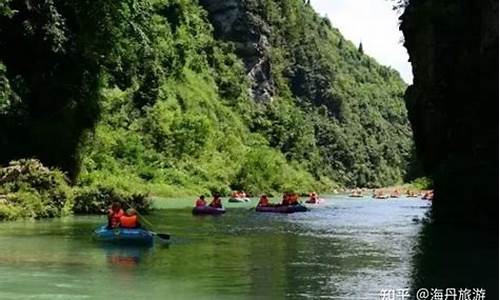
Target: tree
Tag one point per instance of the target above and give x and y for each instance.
(340, 44)
(360, 48)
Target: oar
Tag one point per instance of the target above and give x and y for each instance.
(162, 236)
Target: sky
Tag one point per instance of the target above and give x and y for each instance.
(375, 24)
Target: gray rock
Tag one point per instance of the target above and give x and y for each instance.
(237, 22)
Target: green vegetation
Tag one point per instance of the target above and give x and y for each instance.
(98, 199)
(139, 97)
(338, 111)
(422, 183)
(30, 190)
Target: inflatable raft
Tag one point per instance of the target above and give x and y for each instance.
(208, 210)
(132, 236)
(282, 209)
(318, 201)
(356, 195)
(238, 200)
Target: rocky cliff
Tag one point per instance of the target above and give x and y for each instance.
(238, 22)
(453, 103)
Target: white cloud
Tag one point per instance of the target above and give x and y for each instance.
(375, 24)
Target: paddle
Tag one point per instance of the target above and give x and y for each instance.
(162, 236)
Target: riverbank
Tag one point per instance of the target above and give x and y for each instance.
(29, 190)
(417, 187)
(403, 189)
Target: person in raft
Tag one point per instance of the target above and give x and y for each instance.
(294, 199)
(264, 201)
(130, 219)
(201, 202)
(285, 201)
(313, 197)
(114, 214)
(216, 202)
(289, 199)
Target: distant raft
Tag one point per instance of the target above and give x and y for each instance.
(238, 200)
(281, 209)
(356, 195)
(317, 201)
(132, 236)
(208, 210)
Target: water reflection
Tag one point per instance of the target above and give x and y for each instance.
(123, 256)
(456, 257)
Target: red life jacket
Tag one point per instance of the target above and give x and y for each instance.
(128, 221)
(200, 203)
(114, 219)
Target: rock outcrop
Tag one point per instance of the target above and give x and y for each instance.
(238, 22)
(453, 103)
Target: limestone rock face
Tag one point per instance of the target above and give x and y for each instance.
(238, 22)
(453, 103)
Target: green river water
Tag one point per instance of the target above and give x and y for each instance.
(344, 249)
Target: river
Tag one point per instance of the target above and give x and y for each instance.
(345, 249)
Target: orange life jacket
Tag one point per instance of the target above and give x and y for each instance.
(128, 221)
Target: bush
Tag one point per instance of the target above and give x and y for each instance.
(31, 190)
(422, 183)
(97, 199)
(9, 212)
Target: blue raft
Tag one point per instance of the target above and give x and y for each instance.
(282, 209)
(129, 236)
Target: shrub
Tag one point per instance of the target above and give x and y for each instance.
(9, 212)
(422, 183)
(31, 190)
(97, 199)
